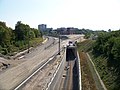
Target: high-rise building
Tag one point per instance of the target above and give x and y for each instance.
(42, 27)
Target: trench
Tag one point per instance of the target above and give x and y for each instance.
(72, 79)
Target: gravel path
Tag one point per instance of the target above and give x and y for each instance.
(42, 78)
(13, 76)
(10, 78)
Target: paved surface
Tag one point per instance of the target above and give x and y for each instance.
(42, 78)
(13, 76)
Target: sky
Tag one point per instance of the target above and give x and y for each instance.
(88, 14)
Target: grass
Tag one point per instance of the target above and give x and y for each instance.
(106, 73)
(36, 41)
(20, 46)
(88, 82)
(85, 45)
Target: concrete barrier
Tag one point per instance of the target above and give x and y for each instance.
(79, 71)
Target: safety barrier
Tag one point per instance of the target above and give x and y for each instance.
(79, 71)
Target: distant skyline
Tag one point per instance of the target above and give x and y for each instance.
(89, 14)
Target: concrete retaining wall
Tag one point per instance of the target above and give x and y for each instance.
(79, 71)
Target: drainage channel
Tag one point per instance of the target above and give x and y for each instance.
(70, 79)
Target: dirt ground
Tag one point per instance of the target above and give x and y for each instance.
(6, 64)
(87, 79)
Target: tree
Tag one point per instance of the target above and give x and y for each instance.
(5, 36)
(116, 49)
(36, 32)
(18, 39)
(21, 31)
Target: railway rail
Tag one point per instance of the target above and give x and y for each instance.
(41, 76)
(70, 79)
(69, 82)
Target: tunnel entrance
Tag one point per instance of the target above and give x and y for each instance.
(70, 54)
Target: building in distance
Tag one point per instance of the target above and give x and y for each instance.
(42, 27)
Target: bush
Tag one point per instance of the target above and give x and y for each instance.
(4, 51)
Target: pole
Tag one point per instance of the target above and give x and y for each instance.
(28, 41)
(59, 46)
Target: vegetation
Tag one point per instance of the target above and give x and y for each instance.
(16, 40)
(105, 72)
(85, 45)
(106, 51)
(93, 34)
(88, 82)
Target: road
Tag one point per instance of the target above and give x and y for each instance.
(43, 77)
(39, 49)
(12, 77)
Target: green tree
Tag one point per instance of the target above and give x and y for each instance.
(116, 49)
(5, 36)
(21, 31)
(36, 32)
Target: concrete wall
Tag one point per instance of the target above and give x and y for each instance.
(79, 70)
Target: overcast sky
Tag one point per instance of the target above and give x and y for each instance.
(89, 14)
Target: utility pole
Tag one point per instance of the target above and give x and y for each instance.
(28, 41)
(59, 45)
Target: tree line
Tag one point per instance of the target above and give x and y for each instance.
(108, 46)
(14, 40)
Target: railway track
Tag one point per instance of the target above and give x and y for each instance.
(39, 79)
(70, 77)
(69, 81)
